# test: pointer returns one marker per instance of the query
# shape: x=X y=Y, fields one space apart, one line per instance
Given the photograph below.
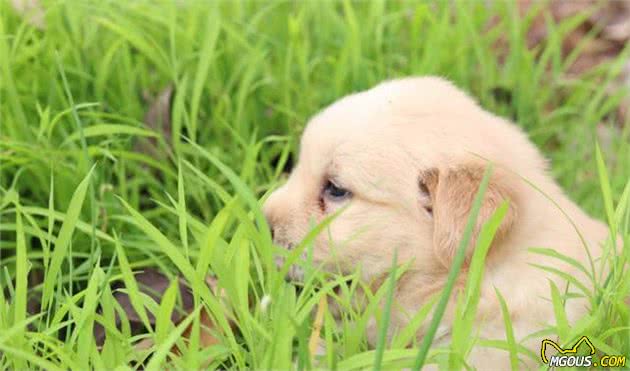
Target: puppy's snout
x=276 y=212
x=271 y=211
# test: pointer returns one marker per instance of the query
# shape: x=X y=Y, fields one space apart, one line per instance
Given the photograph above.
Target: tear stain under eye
x=321 y=204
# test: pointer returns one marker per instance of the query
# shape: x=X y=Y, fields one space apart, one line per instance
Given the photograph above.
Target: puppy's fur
x=412 y=152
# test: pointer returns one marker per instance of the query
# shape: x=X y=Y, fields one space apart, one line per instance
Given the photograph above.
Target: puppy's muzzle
x=295 y=272
x=278 y=235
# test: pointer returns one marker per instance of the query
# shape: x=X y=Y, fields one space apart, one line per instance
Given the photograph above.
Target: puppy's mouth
x=295 y=273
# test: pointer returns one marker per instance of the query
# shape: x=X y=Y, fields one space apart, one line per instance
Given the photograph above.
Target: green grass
x=83 y=206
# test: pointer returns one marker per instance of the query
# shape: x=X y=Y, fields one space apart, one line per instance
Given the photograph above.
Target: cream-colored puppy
x=406 y=157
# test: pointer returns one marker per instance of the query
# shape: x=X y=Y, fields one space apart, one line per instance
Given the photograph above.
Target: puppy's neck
x=415 y=288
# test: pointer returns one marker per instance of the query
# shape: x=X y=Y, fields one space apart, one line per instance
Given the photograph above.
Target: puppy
x=405 y=159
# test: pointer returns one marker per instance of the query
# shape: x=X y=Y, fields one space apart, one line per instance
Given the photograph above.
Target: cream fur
x=382 y=144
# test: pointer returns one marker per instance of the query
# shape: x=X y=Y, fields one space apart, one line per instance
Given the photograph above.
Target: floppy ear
x=451 y=193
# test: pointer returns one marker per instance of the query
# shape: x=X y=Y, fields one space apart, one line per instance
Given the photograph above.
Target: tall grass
x=84 y=207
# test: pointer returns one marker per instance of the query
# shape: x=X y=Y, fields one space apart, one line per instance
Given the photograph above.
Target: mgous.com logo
x=582 y=354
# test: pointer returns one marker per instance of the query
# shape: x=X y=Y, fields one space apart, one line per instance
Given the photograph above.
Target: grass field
x=83 y=203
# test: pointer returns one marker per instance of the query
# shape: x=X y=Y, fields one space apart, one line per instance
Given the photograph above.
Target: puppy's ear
x=451 y=193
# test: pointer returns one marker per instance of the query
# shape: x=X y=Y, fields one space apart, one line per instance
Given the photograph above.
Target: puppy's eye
x=335 y=193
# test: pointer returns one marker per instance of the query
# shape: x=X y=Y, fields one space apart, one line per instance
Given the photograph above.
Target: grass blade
x=165 y=348
x=131 y=285
x=382 y=332
x=458 y=261
x=604 y=182
x=181 y=209
x=163 y=318
x=108 y=130
x=21 y=284
x=509 y=332
x=63 y=239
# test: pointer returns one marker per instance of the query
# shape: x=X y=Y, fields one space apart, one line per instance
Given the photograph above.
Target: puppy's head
x=402 y=163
